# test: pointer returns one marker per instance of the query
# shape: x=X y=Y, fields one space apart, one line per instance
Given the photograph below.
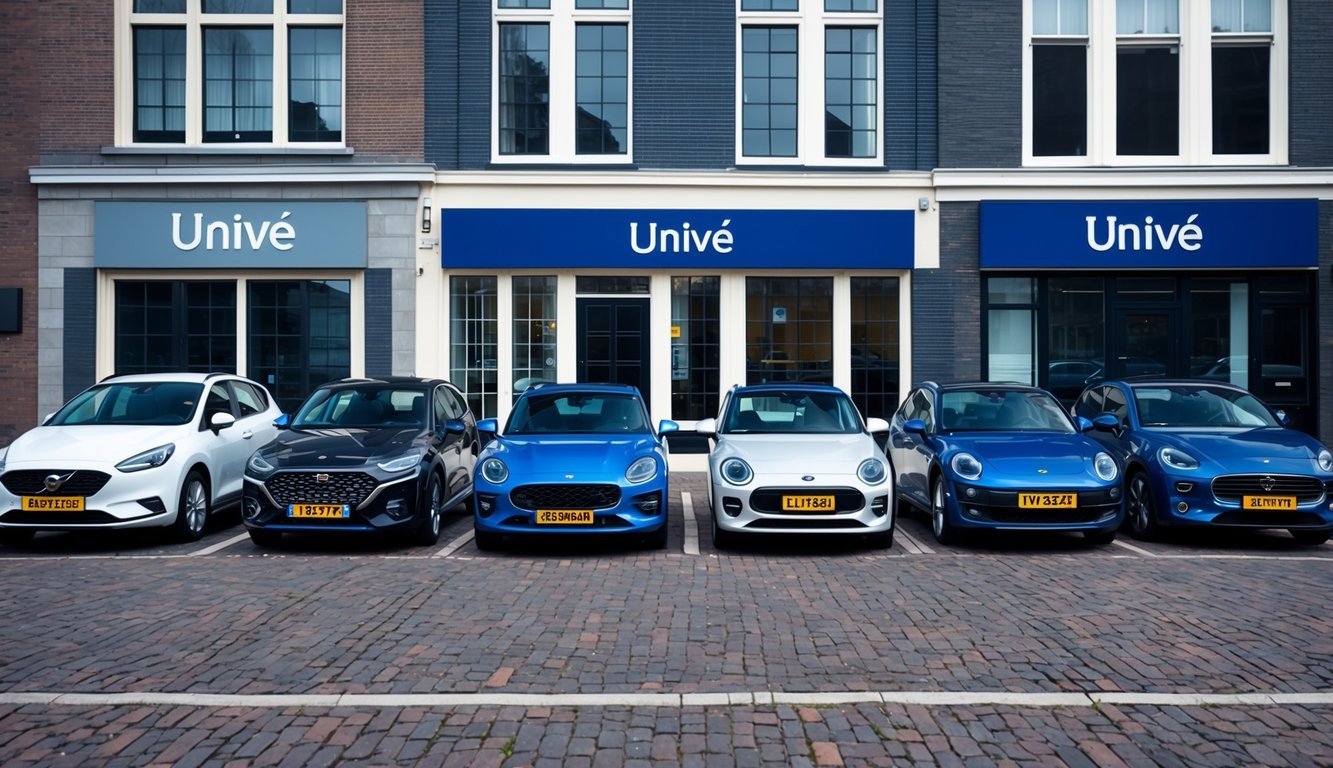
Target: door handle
x=247 y=434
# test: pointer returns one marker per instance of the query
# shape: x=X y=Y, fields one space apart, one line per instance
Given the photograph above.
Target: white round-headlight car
x=736 y=472
x=871 y=472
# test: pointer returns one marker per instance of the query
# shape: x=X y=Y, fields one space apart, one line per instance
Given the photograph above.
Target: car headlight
x=736 y=472
x=1177 y=459
x=494 y=471
x=871 y=472
x=642 y=470
x=966 y=466
x=402 y=463
x=148 y=459
x=1325 y=461
x=1105 y=467
x=259 y=467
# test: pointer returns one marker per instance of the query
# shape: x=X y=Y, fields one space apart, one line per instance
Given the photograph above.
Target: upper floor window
x=231 y=72
x=562 y=81
x=1135 y=82
x=778 y=114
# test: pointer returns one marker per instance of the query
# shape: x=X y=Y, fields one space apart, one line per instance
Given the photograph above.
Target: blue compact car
x=573 y=458
x=986 y=456
x=1204 y=453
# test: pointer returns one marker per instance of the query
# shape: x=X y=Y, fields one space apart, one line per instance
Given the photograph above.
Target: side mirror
x=1083 y=423
x=706 y=427
x=915 y=426
x=221 y=421
x=1107 y=422
x=284 y=421
x=489 y=426
x=875 y=426
x=47 y=418
x=453 y=427
x=666 y=427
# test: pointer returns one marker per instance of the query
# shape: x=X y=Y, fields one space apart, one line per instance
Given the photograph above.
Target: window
x=233 y=72
x=300 y=335
x=175 y=325
x=1136 y=82
x=789 y=329
x=695 y=346
x=840 y=42
x=875 y=350
x=473 y=325
x=562 y=81
x=534 y=331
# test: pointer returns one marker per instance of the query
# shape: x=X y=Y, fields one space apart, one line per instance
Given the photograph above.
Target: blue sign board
x=1153 y=234
x=240 y=235
x=549 y=238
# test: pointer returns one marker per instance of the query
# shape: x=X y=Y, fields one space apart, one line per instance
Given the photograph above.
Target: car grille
x=1231 y=488
x=565 y=496
x=32 y=482
x=769 y=500
x=320 y=487
x=1002 y=507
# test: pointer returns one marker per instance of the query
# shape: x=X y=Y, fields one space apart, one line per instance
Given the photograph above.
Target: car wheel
x=263 y=538
x=1312 y=538
x=1141 y=517
x=939 y=517
x=486 y=541
x=1099 y=538
x=15 y=537
x=192 y=512
x=428 y=530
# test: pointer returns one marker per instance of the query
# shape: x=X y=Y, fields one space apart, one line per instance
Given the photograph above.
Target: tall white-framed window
x=809 y=82
x=229 y=72
x=1155 y=82
x=562 y=85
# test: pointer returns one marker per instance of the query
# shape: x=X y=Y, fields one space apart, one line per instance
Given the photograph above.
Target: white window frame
x=1195 y=40
x=194 y=20
x=562 y=19
x=810 y=23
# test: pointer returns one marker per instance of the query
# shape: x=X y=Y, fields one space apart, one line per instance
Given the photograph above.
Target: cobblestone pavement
x=1204 y=650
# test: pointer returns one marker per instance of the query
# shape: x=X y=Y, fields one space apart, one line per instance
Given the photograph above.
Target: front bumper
x=110 y=499
x=371 y=504
x=617 y=508
x=976 y=507
x=757 y=507
x=1186 y=501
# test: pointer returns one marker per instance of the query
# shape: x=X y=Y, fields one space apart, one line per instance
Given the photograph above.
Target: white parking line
x=1132 y=548
x=455 y=545
x=221 y=545
x=913 y=546
x=691 y=529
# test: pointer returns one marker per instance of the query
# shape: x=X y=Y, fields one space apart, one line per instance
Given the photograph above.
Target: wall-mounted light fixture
x=425 y=214
x=923 y=203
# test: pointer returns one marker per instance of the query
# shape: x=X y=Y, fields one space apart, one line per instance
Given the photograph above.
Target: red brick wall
x=385 y=79
x=77 y=95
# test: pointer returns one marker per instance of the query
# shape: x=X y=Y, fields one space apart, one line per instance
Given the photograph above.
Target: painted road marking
x=1132 y=548
x=221 y=545
x=691 y=528
x=455 y=545
x=913 y=546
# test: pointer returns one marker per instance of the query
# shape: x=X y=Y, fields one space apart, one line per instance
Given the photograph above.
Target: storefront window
x=695 y=357
x=1011 y=319
x=875 y=351
x=789 y=329
x=300 y=335
x=534 y=331
x=472 y=332
x=1076 y=334
x=1220 y=331
x=174 y=325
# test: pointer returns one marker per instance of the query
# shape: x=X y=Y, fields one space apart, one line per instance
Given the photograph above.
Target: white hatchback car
x=148 y=450
x=796 y=458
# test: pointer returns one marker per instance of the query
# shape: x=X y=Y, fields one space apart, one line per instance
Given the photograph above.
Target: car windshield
x=582 y=412
x=368 y=407
x=1189 y=405
x=1002 y=411
x=145 y=402
x=794 y=411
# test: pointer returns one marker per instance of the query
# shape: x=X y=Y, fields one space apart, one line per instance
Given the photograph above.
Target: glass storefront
x=534 y=331
x=875 y=352
x=789 y=329
x=695 y=346
x=473 y=345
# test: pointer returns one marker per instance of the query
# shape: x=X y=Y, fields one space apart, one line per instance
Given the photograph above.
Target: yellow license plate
x=564 y=517
x=319 y=510
x=808 y=504
x=52 y=503
x=1047 y=501
x=1268 y=502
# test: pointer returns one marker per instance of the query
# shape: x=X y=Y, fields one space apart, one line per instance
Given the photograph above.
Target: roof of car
x=964 y=386
x=393 y=381
x=190 y=376
x=547 y=389
x=1158 y=381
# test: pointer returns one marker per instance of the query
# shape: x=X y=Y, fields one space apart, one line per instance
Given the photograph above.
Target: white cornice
x=728 y=178
x=350 y=173
x=962 y=185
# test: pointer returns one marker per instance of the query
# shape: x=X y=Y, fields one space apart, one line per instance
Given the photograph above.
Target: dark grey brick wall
x=458 y=84
x=379 y=322
x=1311 y=83
x=946 y=302
x=910 y=85
x=80 y=330
x=1325 y=324
x=981 y=84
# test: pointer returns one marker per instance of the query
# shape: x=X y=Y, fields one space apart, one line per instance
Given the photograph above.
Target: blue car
x=573 y=459
x=1205 y=453
x=987 y=456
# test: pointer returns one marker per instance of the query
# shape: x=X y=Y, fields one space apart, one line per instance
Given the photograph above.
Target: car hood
x=1266 y=449
x=339 y=447
x=1022 y=454
x=88 y=443
x=825 y=454
x=586 y=457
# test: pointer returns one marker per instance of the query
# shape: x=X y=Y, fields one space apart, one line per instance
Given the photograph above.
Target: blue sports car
x=1202 y=453
x=573 y=458
x=1002 y=456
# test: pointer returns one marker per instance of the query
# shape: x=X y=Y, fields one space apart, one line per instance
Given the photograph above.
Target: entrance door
x=1284 y=361
x=613 y=342
x=1143 y=342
